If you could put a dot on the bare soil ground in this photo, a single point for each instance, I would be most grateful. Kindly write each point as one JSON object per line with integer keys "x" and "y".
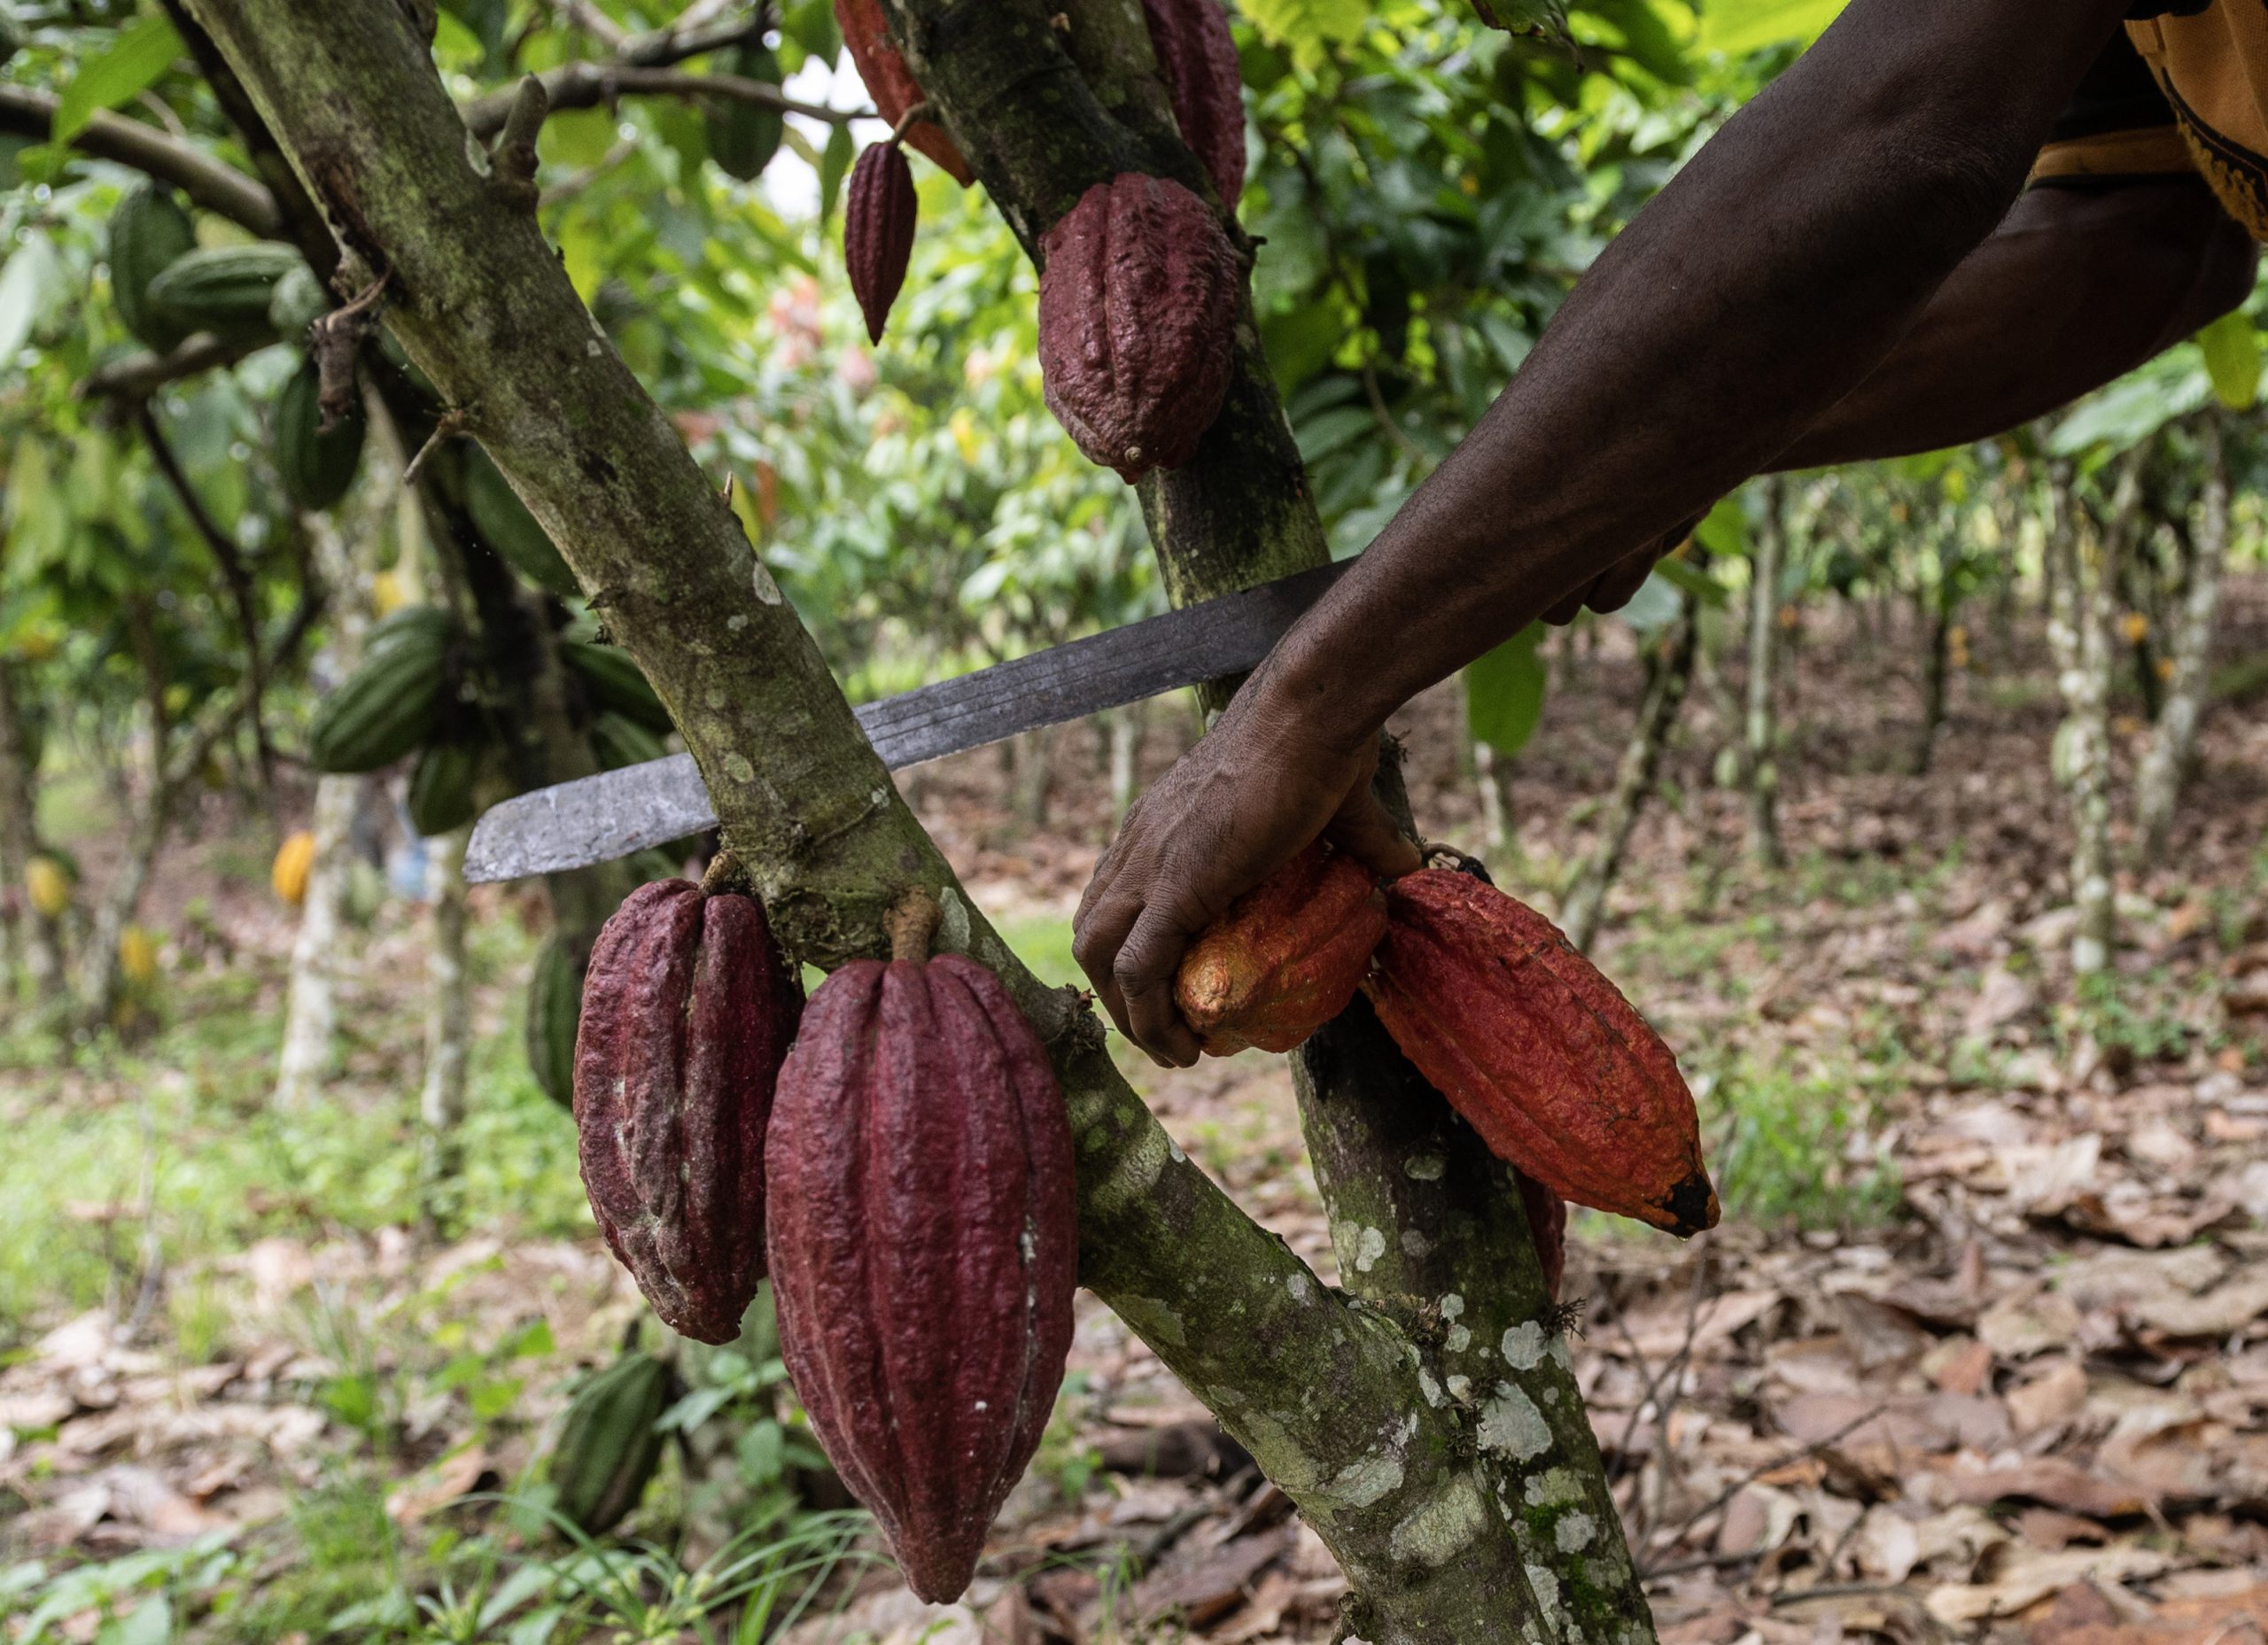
{"x": 1981, "y": 1349}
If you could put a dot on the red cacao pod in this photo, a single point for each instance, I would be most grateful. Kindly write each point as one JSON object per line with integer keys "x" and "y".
{"x": 1547, "y": 1226}
{"x": 892, "y": 84}
{"x": 923, "y": 1248}
{"x": 878, "y": 231}
{"x": 1286, "y": 958}
{"x": 1197, "y": 59}
{"x": 687, "y": 1012}
{"x": 1539, "y": 1052}
{"x": 1138, "y": 320}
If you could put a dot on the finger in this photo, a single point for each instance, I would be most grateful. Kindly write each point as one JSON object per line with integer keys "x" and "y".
{"x": 1568, "y": 609}
{"x": 1619, "y": 586}
{"x": 1367, "y": 831}
{"x": 1095, "y": 945}
{"x": 1143, "y": 973}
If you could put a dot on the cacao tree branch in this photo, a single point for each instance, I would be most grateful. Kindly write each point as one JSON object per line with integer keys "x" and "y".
{"x": 1324, "y": 1393}
{"x": 1427, "y": 1225}
{"x": 137, "y": 377}
{"x": 217, "y": 187}
{"x": 587, "y": 85}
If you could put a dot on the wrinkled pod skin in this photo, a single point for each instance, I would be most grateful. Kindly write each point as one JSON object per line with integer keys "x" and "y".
{"x": 881, "y": 65}
{"x": 688, "y": 1011}
{"x": 1287, "y": 957}
{"x": 923, "y": 1249}
{"x": 1197, "y": 59}
{"x": 878, "y": 222}
{"x": 1138, "y": 300}
{"x": 1539, "y": 1052}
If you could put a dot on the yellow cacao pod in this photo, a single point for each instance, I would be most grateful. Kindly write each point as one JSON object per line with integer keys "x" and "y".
{"x": 137, "y": 956}
{"x": 294, "y": 860}
{"x": 49, "y": 886}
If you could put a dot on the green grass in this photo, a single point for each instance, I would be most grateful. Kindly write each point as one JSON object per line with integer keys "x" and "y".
{"x": 1792, "y": 1150}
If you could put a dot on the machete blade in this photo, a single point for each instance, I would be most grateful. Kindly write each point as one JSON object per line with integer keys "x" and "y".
{"x": 599, "y": 818}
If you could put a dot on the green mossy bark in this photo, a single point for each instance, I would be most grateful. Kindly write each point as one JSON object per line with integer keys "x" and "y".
{"x": 1328, "y": 1392}
{"x": 1498, "y": 1472}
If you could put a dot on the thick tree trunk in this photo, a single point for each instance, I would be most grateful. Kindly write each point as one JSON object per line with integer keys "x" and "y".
{"x": 448, "y": 1042}
{"x": 1669, "y": 673}
{"x": 2084, "y": 554}
{"x": 2173, "y": 747}
{"x": 1432, "y": 1501}
{"x": 37, "y": 939}
{"x": 1761, "y": 755}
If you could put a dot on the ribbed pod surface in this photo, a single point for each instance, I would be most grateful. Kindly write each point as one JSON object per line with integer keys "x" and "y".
{"x": 1539, "y": 1052}
{"x": 1286, "y": 959}
{"x": 922, "y": 1245}
{"x": 687, "y": 1012}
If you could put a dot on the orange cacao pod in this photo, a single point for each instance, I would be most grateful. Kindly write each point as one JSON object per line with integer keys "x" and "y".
{"x": 878, "y": 231}
{"x": 687, "y": 1012}
{"x": 922, "y": 1247}
{"x": 1137, "y": 319}
{"x": 892, "y": 84}
{"x": 1539, "y": 1052}
{"x": 1286, "y": 958}
{"x": 1197, "y": 59}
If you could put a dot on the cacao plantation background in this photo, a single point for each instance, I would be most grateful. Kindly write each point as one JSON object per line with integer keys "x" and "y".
{"x": 1919, "y": 808}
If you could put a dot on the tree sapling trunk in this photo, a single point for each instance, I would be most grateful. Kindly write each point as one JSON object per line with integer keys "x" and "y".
{"x": 2173, "y": 747}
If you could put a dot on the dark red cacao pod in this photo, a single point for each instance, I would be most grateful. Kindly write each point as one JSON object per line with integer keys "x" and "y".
{"x": 1539, "y": 1052}
{"x": 878, "y": 231}
{"x": 1547, "y": 1226}
{"x": 1286, "y": 958}
{"x": 1137, "y": 322}
{"x": 892, "y": 84}
{"x": 923, "y": 1247}
{"x": 687, "y": 1012}
{"x": 1197, "y": 59}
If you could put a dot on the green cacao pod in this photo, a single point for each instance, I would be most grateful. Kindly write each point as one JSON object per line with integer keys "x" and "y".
{"x": 392, "y": 704}
{"x": 225, "y": 289}
{"x": 149, "y": 231}
{"x": 441, "y": 788}
{"x": 555, "y": 1007}
{"x": 744, "y": 136}
{"x": 316, "y": 468}
{"x": 688, "y": 1009}
{"x": 510, "y": 530}
{"x": 619, "y": 740}
{"x": 296, "y": 303}
{"x": 617, "y": 683}
{"x": 918, "y": 1175}
{"x": 609, "y": 1447}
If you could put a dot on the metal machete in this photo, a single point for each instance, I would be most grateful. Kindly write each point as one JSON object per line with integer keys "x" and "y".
{"x": 599, "y": 818}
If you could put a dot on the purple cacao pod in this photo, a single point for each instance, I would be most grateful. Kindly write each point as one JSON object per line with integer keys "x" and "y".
{"x": 878, "y": 231}
{"x": 1197, "y": 59}
{"x": 1138, "y": 320}
{"x": 688, "y": 1011}
{"x": 923, "y": 1247}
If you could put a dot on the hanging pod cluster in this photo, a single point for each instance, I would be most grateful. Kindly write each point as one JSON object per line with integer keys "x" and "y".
{"x": 904, "y": 1175}
{"x": 1538, "y": 1051}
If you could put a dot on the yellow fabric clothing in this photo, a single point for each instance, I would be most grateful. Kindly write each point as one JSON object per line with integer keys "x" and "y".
{"x": 2213, "y": 65}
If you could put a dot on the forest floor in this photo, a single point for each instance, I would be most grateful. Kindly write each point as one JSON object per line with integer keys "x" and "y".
{"x": 1980, "y": 1350}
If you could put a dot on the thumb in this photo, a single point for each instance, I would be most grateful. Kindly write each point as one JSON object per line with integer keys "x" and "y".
{"x": 1367, "y": 831}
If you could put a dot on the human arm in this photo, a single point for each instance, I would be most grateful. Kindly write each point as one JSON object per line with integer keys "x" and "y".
{"x": 1763, "y": 286}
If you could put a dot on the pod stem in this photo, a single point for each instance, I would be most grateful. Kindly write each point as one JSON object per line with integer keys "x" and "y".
{"x": 723, "y": 875}
{"x": 911, "y": 924}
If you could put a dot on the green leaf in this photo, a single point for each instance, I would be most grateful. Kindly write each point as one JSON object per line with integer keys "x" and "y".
{"x": 455, "y": 46}
{"x": 2233, "y": 361}
{"x": 1726, "y": 529}
{"x": 1522, "y": 17}
{"x": 1310, "y": 27}
{"x": 31, "y": 284}
{"x": 833, "y": 167}
{"x": 1748, "y": 25}
{"x": 142, "y": 51}
{"x": 1682, "y": 574}
{"x": 1505, "y": 692}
